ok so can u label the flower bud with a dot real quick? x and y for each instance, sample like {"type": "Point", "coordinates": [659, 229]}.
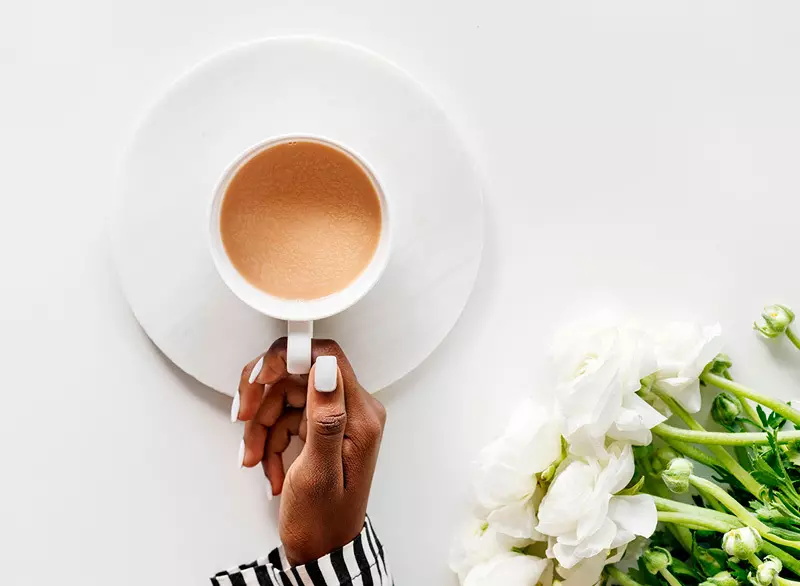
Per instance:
{"type": "Point", "coordinates": [677, 474]}
{"type": "Point", "coordinates": [767, 572]}
{"type": "Point", "coordinates": [656, 559]}
{"type": "Point", "coordinates": [778, 317]}
{"type": "Point", "coordinates": [742, 543]}
{"type": "Point", "coordinates": [725, 409]}
{"type": "Point", "coordinates": [720, 364]}
{"type": "Point", "coordinates": [721, 579]}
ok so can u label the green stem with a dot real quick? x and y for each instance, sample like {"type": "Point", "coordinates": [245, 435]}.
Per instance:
{"type": "Point", "coordinates": [748, 409]}
{"type": "Point", "coordinates": [793, 338]}
{"type": "Point", "coordinates": [621, 577]}
{"type": "Point", "coordinates": [708, 488]}
{"type": "Point", "coordinates": [723, 526]}
{"type": "Point", "coordinates": [745, 516]}
{"type": "Point", "coordinates": [784, 582]}
{"type": "Point", "coordinates": [722, 438]}
{"type": "Point", "coordinates": [691, 452]}
{"type": "Point", "coordinates": [671, 580]}
{"type": "Point", "coordinates": [698, 523]}
{"type": "Point", "coordinates": [742, 391]}
{"type": "Point", "coordinates": [754, 560]}
{"type": "Point", "coordinates": [670, 506]}
{"type": "Point", "coordinates": [682, 535]}
{"type": "Point", "coordinates": [725, 459]}
{"type": "Point", "coordinates": [715, 504]}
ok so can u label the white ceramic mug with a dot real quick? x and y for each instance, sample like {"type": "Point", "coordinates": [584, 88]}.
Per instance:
{"type": "Point", "coordinates": [300, 314]}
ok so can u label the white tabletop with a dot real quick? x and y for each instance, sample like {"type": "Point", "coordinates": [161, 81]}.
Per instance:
{"type": "Point", "coordinates": [636, 155]}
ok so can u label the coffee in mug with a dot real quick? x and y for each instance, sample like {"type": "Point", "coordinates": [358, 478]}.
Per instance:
{"type": "Point", "coordinates": [301, 219]}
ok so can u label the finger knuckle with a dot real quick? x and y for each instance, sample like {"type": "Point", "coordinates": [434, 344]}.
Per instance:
{"type": "Point", "coordinates": [373, 428]}
{"type": "Point", "coordinates": [278, 344]}
{"type": "Point", "coordinates": [330, 422]}
{"type": "Point", "coordinates": [380, 412]}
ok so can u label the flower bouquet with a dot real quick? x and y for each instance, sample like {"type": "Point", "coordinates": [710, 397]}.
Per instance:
{"type": "Point", "coordinates": [598, 487]}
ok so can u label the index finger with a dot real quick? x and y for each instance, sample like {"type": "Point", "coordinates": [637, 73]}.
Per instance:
{"type": "Point", "coordinates": [265, 370]}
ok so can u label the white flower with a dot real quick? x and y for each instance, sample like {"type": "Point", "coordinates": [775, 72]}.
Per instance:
{"type": "Point", "coordinates": [683, 350]}
{"type": "Point", "coordinates": [478, 544]}
{"type": "Point", "coordinates": [599, 372]}
{"type": "Point", "coordinates": [509, 569]}
{"type": "Point", "coordinates": [506, 482]}
{"type": "Point", "coordinates": [582, 517]}
{"type": "Point", "coordinates": [585, 573]}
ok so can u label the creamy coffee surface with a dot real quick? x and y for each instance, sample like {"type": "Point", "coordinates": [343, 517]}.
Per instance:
{"type": "Point", "coordinates": [301, 220]}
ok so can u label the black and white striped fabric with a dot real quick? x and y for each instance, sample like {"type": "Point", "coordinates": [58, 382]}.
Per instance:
{"type": "Point", "coordinates": [359, 563]}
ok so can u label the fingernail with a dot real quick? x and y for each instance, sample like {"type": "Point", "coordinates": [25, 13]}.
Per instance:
{"type": "Point", "coordinates": [256, 370]}
{"type": "Point", "coordinates": [269, 489]}
{"type": "Point", "coordinates": [235, 408]}
{"type": "Point", "coordinates": [325, 374]}
{"type": "Point", "coordinates": [241, 454]}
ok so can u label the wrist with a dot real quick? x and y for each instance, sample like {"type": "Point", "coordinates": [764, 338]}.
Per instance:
{"type": "Point", "coordinates": [315, 544]}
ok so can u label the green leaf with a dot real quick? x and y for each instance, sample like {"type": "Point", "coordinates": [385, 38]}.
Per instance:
{"type": "Point", "coordinates": [738, 571]}
{"type": "Point", "coordinates": [679, 568]}
{"type": "Point", "coordinates": [761, 415]}
{"type": "Point", "coordinates": [710, 561]}
{"type": "Point", "coordinates": [633, 490]}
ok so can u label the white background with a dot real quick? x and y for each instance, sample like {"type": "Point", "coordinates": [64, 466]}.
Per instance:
{"type": "Point", "coordinates": [636, 155]}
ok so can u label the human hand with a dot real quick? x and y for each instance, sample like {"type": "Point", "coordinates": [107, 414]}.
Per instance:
{"type": "Point", "coordinates": [325, 491]}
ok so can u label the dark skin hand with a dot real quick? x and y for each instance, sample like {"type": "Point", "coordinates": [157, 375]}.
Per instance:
{"type": "Point", "coordinates": [325, 491]}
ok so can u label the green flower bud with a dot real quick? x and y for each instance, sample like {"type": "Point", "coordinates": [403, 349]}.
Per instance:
{"type": "Point", "coordinates": [742, 543]}
{"type": "Point", "coordinates": [677, 474]}
{"type": "Point", "coordinates": [767, 572]}
{"type": "Point", "coordinates": [720, 364]}
{"type": "Point", "coordinates": [721, 579]}
{"type": "Point", "coordinates": [776, 319]}
{"type": "Point", "coordinates": [725, 409]}
{"type": "Point", "coordinates": [656, 559]}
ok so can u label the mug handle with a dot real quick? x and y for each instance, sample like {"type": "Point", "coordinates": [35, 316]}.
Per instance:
{"type": "Point", "coordinates": [298, 347]}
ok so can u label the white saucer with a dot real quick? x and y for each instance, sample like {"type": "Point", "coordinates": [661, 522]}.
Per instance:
{"type": "Point", "coordinates": [296, 86]}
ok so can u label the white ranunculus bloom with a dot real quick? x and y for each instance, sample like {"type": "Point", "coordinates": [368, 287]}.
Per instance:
{"type": "Point", "coordinates": [581, 515]}
{"type": "Point", "coordinates": [510, 569]}
{"type": "Point", "coordinates": [599, 372]}
{"type": "Point", "coordinates": [585, 573]}
{"type": "Point", "coordinates": [506, 483]}
{"type": "Point", "coordinates": [478, 544]}
{"type": "Point", "coordinates": [683, 350]}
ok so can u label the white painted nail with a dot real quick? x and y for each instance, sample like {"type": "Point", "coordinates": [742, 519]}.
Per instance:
{"type": "Point", "coordinates": [325, 374]}
{"type": "Point", "coordinates": [241, 454]}
{"type": "Point", "coordinates": [235, 408]}
{"type": "Point", "coordinates": [256, 370]}
{"type": "Point", "coordinates": [269, 490]}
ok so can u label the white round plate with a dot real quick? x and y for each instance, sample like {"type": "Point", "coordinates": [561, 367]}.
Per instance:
{"type": "Point", "coordinates": [302, 86]}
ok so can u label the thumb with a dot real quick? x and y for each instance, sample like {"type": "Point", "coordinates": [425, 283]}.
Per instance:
{"type": "Point", "coordinates": [327, 417]}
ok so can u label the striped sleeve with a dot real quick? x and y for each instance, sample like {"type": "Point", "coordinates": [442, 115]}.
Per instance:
{"type": "Point", "coordinates": [359, 563]}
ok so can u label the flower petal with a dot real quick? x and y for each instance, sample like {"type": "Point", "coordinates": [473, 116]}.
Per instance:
{"type": "Point", "coordinates": [516, 520]}
{"type": "Point", "coordinates": [586, 573]}
{"type": "Point", "coordinates": [634, 514]}
{"type": "Point", "coordinates": [508, 569]}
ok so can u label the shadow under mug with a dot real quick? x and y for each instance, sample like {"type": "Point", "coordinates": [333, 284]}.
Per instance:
{"type": "Point", "coordinates": [299, 313]}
